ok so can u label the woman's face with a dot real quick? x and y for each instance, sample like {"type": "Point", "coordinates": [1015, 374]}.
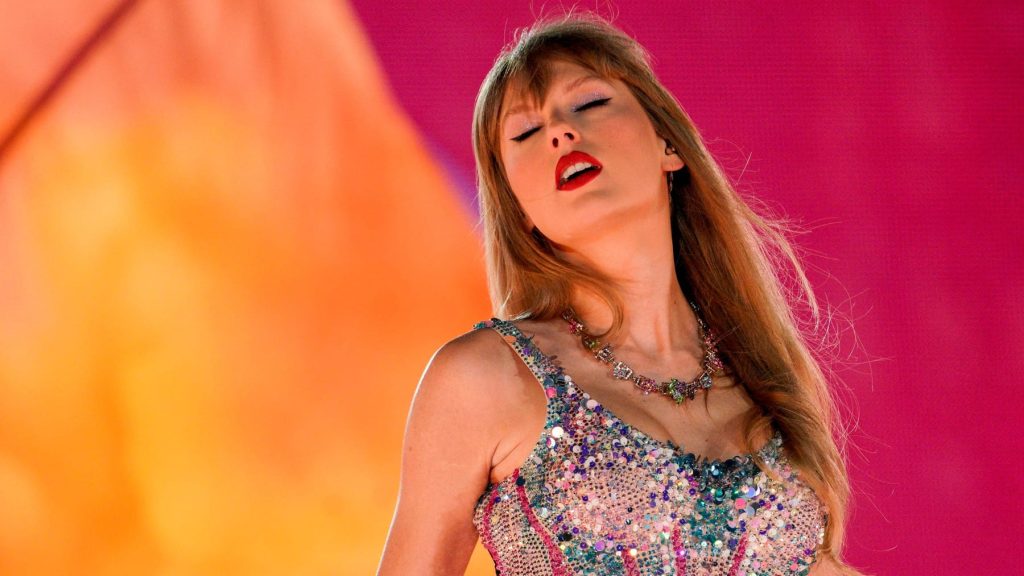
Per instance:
{"type": "Point", "coordinates": [586, 158]}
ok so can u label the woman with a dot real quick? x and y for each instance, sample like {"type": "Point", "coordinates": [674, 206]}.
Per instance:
{"type": "Point", "coordinates": [684, 427]}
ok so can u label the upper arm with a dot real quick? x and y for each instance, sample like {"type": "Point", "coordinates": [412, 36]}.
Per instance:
{"type": "Point", "coordinates": [450, 438]}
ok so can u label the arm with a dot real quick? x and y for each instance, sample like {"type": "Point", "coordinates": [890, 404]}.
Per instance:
{"type": "Point", "coordinates": [450, 439]}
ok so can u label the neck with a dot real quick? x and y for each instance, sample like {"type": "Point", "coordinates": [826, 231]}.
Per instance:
{"type": "Point", "coordinates": [639, 259]}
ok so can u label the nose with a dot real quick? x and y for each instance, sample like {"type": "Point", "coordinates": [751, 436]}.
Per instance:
{"type": "Point", "coordinates": [566, 134]}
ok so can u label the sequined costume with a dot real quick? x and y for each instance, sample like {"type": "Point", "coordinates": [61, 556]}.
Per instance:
{"type": "Point", "coordinates": [598, 497]}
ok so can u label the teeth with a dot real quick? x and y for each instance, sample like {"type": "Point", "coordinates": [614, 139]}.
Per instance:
{"type": "Point", "coordinates": [574, 170]}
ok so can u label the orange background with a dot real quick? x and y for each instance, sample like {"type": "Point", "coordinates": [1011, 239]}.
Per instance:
{"type": "Point", "coordinates": [225, 259]}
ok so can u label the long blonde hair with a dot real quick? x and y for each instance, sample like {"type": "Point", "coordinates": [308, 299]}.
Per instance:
{"type": "Point", "coordinates": [728, 258]}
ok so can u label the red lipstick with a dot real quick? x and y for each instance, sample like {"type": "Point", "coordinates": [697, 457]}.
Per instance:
{"type": "Point", "coordinates": [576, 169]}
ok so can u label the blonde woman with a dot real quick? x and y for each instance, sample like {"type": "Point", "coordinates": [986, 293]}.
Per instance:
{"type": "Point", "coordinates": [643, 402]}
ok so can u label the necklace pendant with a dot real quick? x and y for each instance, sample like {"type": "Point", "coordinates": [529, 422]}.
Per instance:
{"type": "Point", "coordinates": [645, 384]}
{"type": "Point", "coordinates": [691, 390]}
{"type": "Point", "coordinates": [713, 363]}
{"type": "Point", "coordinates": [704, 382]}
{"type": "Point", "coordinates": [575, 326]}
{"type": "Point", "coordinates": [622, 372]}
{"type": "Point", "coordinates": [674, 390]}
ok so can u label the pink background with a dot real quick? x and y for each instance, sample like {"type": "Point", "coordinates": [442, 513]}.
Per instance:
{"type": "Point", "coordinates": [233, 232]}
{"type": "Point", "coordinates": [892, 133]}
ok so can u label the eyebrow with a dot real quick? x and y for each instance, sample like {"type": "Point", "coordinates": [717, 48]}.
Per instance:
{"type": "Point", "coordinates": [570, 86]}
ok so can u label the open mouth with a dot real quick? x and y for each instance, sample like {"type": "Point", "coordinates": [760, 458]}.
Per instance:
{"type": "Point", "coordinates": [576, 169]}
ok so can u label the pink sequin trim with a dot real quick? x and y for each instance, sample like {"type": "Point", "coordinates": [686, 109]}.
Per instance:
{"type": "Point", "coordinates": [678, 551]}
{"type": "Point", "coordinates": [554, 552]}
{"type": "Point", "coordinates": [485, 535]}
{"type": "Point", "coordinates": [739, 556]}
{"type": "Point", "coordinates": [630, 563]}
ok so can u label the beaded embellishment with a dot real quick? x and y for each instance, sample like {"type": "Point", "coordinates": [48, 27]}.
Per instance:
{"type": "Point", "coordinates": [597, 496]}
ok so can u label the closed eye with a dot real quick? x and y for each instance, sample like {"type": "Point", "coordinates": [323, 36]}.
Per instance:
{"type": "Point", "coordinates": [580, 108]}
{"type": "Point", "coordinates": [593, 104]}
{"type": "Point", "coordinates": [525, 135]}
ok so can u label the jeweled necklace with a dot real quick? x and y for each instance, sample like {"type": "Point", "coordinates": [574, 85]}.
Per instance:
{"type": "Point", "coordinates": [677, 390]}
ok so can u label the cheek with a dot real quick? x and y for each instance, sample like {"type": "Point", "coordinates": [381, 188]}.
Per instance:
{"type": "Point", "coordinates": [629, 126]}
{"type": "Point", "coordinates": [516, 180]}
{"type": "Point", "coordinates": [638, 136]}
{"type": "Point", "coordinates": [525, 177]}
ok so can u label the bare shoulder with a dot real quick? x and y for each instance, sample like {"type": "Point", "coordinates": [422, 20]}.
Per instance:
{"type": "Point", "coordinates": [483, 356]}
{"type": "Point", "coordinates": [470, 365]}
{"type": "Point", "coordinates": [473, 380]}
{"type": "Point", "coordinates": [455, 426]}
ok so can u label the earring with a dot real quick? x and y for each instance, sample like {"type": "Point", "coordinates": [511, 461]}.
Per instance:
{"type": "Point", "coordinates": [669, 150]}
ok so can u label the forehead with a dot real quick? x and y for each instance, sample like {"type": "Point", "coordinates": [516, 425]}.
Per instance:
{"type": "Point", "coordinates": [531, 86]}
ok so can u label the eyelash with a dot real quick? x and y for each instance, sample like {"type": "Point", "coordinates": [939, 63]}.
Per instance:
{"type": "Point", "coordinates": [582, 107]}
{"type": "Point", "coordinates": [593, 103]}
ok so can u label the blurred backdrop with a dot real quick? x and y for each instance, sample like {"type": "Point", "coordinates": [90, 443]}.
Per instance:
{"type": "Point", "coordinates": [233, 232]}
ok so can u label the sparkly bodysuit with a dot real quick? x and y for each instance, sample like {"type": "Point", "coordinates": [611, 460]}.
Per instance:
{"type": "Point", "coordinates": [598, 497]}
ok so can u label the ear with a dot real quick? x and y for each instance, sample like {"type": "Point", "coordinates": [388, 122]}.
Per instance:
{"type": "Point", "coordinates": [672, 161]}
